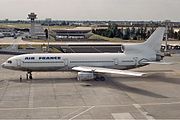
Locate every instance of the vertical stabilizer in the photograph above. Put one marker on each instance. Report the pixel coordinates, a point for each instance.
(151, 46)
(154, 41)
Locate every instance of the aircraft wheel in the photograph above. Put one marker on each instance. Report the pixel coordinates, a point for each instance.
(30, 77)
(102, 78)
(27, 76)
(96, 79)
(99, 78)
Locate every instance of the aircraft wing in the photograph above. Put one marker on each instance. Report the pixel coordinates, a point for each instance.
(160, 63)
(107, 70)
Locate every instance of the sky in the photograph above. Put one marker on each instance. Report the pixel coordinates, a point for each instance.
(92, 9)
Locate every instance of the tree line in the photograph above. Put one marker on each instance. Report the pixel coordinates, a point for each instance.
(132, 33)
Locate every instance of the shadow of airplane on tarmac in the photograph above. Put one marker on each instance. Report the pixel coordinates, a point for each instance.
(113, 84)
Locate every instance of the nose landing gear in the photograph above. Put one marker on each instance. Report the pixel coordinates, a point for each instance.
(29, 76)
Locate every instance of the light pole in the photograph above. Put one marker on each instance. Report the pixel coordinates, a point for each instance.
(48, 38)
(167, 24)
(166, 38)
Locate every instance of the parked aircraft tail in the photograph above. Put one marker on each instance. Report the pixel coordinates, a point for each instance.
(154, 41)
(151, 46)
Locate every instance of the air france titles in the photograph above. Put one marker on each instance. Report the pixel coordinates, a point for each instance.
(43, 58)
(49, 58)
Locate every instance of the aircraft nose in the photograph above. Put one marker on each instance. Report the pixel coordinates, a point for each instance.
(3, 65)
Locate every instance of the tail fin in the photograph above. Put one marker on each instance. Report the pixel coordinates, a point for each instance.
(151, 45)
(154, 41)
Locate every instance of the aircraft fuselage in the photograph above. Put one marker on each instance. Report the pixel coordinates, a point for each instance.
(65, 62)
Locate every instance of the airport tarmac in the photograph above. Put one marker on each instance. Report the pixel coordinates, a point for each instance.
(59, 95)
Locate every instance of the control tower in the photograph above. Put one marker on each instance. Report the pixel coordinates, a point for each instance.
(36, 30)
(32, 17)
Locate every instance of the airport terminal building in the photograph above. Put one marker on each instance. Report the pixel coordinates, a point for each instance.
(72, 34)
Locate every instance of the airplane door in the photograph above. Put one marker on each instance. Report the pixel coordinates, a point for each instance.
(65, 62)
(116, 61)
(135, 60)
(66, 67)
(18, 61)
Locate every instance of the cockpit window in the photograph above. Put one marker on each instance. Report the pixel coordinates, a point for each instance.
(9, 61)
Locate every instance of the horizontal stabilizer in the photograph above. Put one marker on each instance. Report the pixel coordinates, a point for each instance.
(107, 70)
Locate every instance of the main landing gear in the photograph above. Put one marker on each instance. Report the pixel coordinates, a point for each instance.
(99, 78)
(29, 76)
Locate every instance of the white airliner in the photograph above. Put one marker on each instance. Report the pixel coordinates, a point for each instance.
(93, 65)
